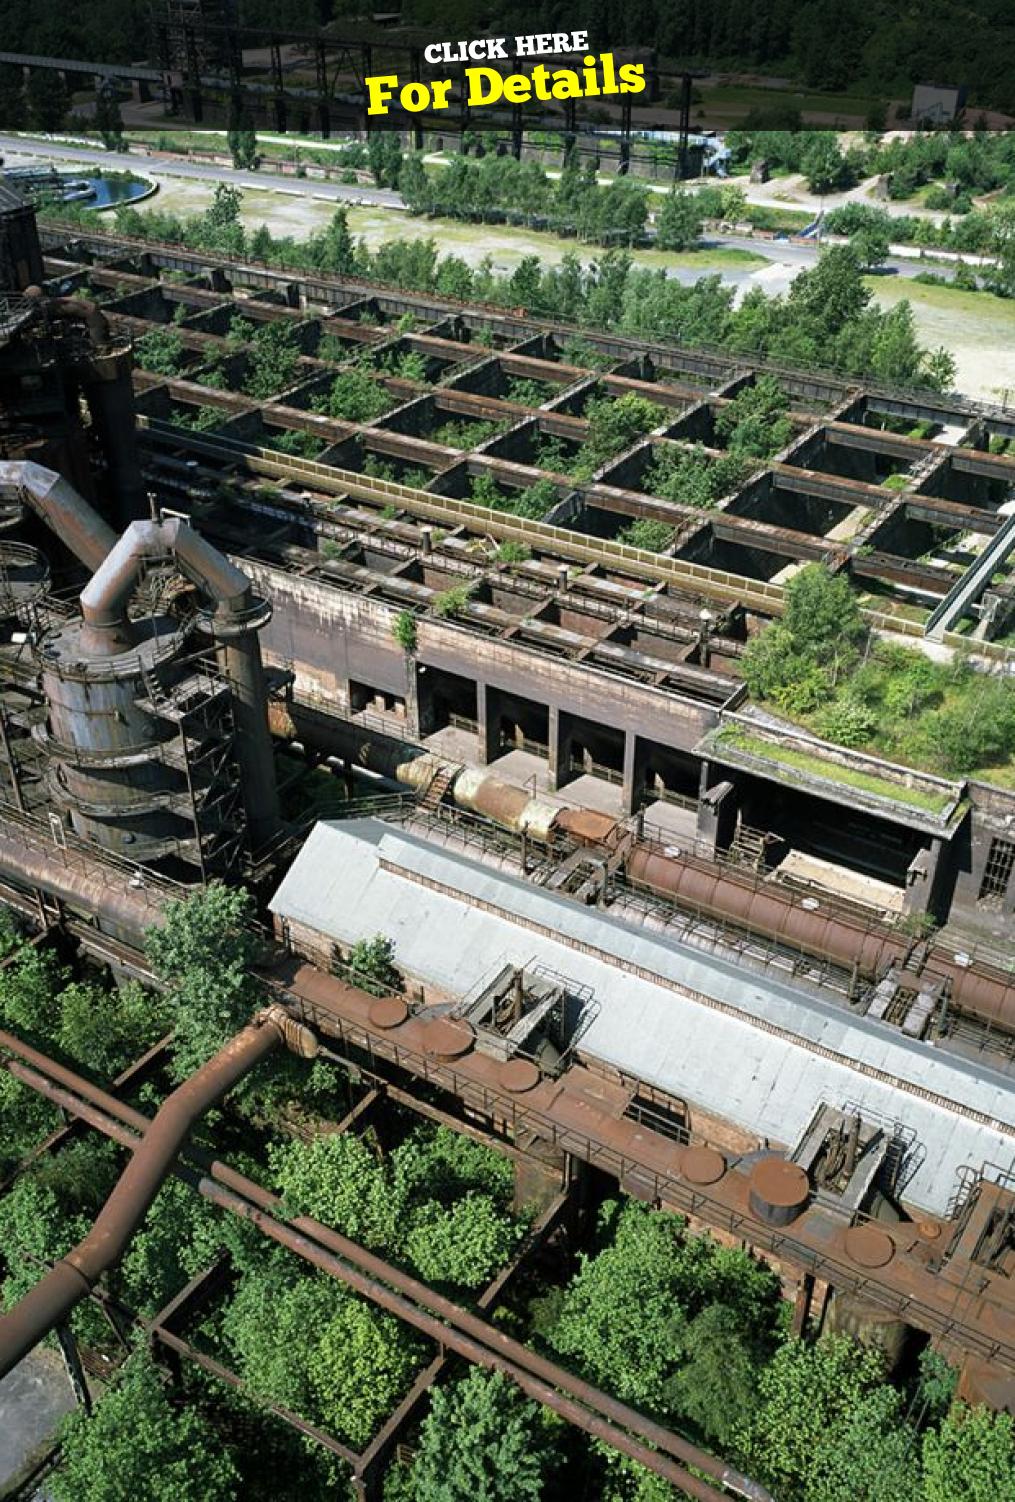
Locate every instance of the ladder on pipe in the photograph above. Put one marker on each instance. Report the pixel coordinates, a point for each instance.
(437, 787)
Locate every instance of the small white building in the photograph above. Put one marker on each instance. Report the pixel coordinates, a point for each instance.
(937, 103)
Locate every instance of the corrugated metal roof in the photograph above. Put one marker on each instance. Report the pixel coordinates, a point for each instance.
(667, 1026)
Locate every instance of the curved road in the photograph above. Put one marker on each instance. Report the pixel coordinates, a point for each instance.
(17, 152)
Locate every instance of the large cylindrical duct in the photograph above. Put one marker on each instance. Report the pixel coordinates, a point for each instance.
(109, 391)
(58, 504)
(110, 761)
(105, 378)
(233, 623)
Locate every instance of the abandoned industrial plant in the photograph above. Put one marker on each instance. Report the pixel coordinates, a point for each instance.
(507, 895)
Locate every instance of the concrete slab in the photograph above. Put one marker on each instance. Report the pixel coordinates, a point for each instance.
(854, 885)
(454, 745)
(33, 1399)
(681, 823)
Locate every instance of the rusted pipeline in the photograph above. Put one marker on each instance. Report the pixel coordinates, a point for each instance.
(66, 513)
(378, 1293)
(104, 598)
(80, 310)
(319, 1246)
(51, 1300)
(131, 909)
(777, 913)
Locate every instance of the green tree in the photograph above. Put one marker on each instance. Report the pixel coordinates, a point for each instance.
(435, 1203)
(241, 139)
(525, 282)
(454, 278)
(716, 1387)
(755, 423)
(336, 1179)
(970, 1458)
(336, 247)
(25, 1118)
(224, 209)
(614, 424)
(414, 184)
(482, 1441)
(47, 100)
(873, 1456)
(137, 1443)
(1002, 223)
(678, 222)
(384, 155)
(806, 1397)
(205, 950)
(308, 1343)
(461, 1245)
(870, 246)
(106, 1028)
(370, 964)
(822, 614)
(355, 396)
(824, 165)
(160, 351)
(831, 295)
(403, 629)
(273, 361)
(108, 120)
(360, 1367)
(653, 536)
(690, 477)
(624, 1317)
(775, 669)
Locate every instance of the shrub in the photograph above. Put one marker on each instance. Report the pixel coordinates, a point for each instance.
(403, 629)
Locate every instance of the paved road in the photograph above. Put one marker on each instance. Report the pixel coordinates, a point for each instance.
(792, 257)
(19, 153)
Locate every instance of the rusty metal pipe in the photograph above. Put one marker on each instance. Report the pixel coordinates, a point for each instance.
(378, 1293)
(295, 1239)
(66, 513)
(124, 907)
(375, 1268)
(51, 1300)
(104, 598)
(80, 310)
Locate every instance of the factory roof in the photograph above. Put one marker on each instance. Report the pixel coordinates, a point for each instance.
(751, 1049)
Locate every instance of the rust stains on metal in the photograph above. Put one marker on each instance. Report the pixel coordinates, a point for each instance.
(448, 1037)
(868, 1246)
(519, 1076)
(778, 1191)
(388, 1012)
(701, 1165)
(587, 825)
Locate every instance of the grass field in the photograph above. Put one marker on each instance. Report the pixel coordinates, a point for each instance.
(816, 766)
(977, 327)
(299, 216)
(733, 101)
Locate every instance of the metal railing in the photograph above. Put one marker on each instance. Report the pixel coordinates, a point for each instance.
(14, 311)
(666, 1187)
(500, 524)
